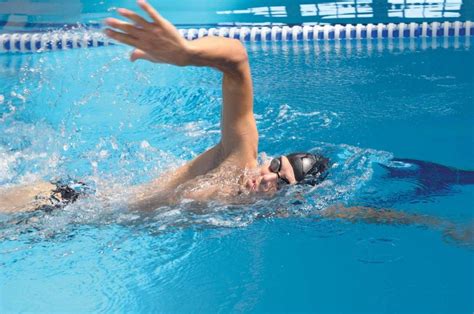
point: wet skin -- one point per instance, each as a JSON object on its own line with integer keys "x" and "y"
{"x": 267, "y": 181}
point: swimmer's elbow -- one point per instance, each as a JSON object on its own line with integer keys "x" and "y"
{"x": 240, "y": 53}
{"x": 225, "y": 54}
{"x": 236, "y": 61}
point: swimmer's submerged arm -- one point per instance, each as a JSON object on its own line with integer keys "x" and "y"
{"x": 160, "y": 41}
{"x": 379, "y": 216}
{"x": 461, "y": 234}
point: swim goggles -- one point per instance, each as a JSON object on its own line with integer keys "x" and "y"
{"x": 275, "y": 167}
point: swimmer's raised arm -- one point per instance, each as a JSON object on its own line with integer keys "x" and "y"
{"x": 160, "y": 41}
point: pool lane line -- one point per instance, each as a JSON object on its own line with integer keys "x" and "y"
{"x": 60, "y": 40}
{"x": 327, "y": 49}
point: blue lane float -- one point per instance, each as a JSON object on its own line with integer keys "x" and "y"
{"x": 39, "y": 42}
{"x": 60, "y": 40}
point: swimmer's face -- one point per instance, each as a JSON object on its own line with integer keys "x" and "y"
{"x": 269, "y": 179}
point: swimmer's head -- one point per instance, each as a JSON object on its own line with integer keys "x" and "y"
{"x": 296, "y": 168}
{"x": 308, "y": 168}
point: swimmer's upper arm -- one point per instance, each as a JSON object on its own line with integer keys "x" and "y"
{"x": 238, "y": 126}
{"x": 239, "y": 130}
{"x": 162, "y": 191}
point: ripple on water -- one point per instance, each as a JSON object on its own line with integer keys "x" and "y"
{"x": 328, "y": 229}
{"x": 100, "y": 261}
{"x": 129, "y": 253}
{"x": 378, "y": 250}
{"x": 143, "y": 261}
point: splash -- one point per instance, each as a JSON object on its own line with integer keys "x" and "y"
{"x": 352, "y": 168}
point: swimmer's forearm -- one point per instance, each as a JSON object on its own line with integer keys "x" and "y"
{"x": 462, "y": 234}
{"x": 381, "y": 216}
{"x": 225, "y": 54}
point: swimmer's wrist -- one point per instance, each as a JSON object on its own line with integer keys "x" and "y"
{"x": 190, "y": 54}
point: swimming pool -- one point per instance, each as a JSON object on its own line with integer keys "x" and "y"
{"x": 89, "y": 113}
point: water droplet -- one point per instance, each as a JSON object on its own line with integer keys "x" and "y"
{"x": 144, "y": 145}
{"x": 103, "y": 153}
{"x": 114, "y": 144}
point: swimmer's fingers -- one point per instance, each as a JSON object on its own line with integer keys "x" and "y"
{"x": 151, "y": 12}
{"x": 125, "y": 27}
{"x": 134, "y": 17}
{"x": 122, "y": 37}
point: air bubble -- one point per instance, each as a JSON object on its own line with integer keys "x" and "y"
{"x": 378, "y": 250}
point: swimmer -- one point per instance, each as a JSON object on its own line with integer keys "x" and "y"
{"x": 227, "y": 172}
{"x": 230, "y": 168}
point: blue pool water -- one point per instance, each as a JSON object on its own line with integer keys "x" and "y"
{"x": 90, "y": 114}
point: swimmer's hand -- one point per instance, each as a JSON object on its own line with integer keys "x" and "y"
{"x": 160, "y": 41}
{"x": 155, "y": 41}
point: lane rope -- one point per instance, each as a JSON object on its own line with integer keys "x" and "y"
{"x": 60, "y": 40}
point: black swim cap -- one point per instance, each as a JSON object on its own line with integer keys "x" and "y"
{"x": 308, "y": 168}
